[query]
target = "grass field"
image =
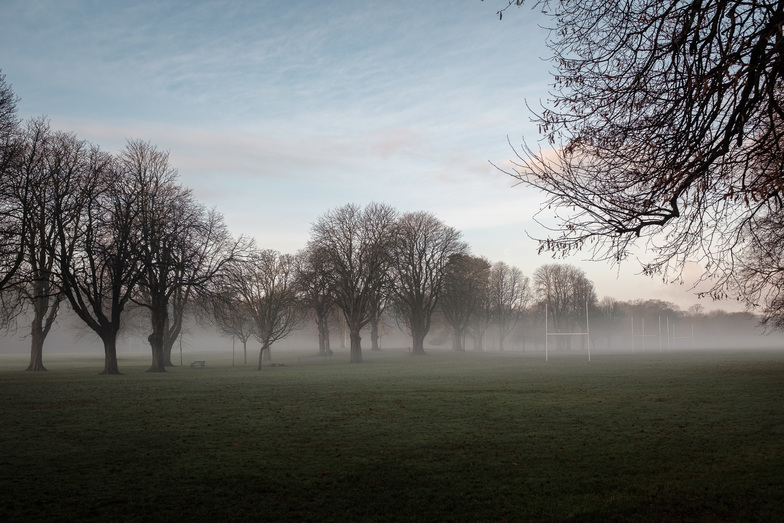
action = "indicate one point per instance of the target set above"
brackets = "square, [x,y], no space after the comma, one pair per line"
[446,437]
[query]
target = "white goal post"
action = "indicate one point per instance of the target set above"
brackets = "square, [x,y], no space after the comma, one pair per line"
[643,335]
[547,333]
[670,330]
[686,337]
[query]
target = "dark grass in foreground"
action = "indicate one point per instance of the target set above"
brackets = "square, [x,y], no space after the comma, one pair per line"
[474,437]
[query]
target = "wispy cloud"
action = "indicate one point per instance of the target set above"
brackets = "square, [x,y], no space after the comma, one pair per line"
[277,111]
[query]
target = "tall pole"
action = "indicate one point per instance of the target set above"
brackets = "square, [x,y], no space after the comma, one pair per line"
[669,344]
[587,330]
[643,334]
[546,332]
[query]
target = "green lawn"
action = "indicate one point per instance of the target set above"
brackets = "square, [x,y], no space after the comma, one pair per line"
[446,437]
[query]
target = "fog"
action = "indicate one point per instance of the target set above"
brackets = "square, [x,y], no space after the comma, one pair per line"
[717,330]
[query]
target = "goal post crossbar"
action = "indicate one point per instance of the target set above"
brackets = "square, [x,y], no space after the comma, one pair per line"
[687,337]
[643,335]
[547,333]
[669,330]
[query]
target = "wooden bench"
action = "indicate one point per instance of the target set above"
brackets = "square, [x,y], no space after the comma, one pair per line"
[199,364]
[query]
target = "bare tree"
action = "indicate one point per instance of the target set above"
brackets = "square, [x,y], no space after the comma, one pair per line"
[181,246]
[378,305]
[14,187]
[265,284]
[421,253]
[356,243]
[95,217]
[761,272]
[567,291]
[202,259]
[313,283]
[233,317]
[8,117]
[46,158]
[665,120]
[465,289]
[165,216]
[509,296]
[481,318]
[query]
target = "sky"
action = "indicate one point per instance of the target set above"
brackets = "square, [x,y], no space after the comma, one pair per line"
[276,112]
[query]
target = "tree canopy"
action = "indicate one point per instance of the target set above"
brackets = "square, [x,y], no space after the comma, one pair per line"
[663,128]
[13,187]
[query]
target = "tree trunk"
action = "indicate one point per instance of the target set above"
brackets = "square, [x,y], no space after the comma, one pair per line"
[37,335]
[110,353]
[356,346]
[159,317]
[167,352]
[168,346]
[158,361]
[457,340]
[374,334]
[323,335]
[172,334]
[418,342]
[479,340]
[263,356]
[36,353]
[45,312]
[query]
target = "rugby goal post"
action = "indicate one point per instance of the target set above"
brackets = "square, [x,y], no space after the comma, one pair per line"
[684,337]
[547,333]
[643,335]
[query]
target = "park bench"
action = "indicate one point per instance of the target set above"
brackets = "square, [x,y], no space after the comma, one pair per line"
[199,364]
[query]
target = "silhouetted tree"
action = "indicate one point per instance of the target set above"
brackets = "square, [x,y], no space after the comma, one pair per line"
[46,158]
[509,296]
[232,315]
[465,290]
[481,317]
[166,214]
[313,283]
[761,272]
[567,291]
[14,186]
[202,261]
[265,284]
[95,217]
[356,243]
[181,246]
[379,300]
[421,252]
[666,124]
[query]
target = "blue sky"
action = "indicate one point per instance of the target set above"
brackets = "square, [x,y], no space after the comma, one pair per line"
[275,112]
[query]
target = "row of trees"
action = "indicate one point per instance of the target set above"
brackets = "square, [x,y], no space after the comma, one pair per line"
[109,232]
[622,326]
[106,233]
[361,263]
[101,232]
